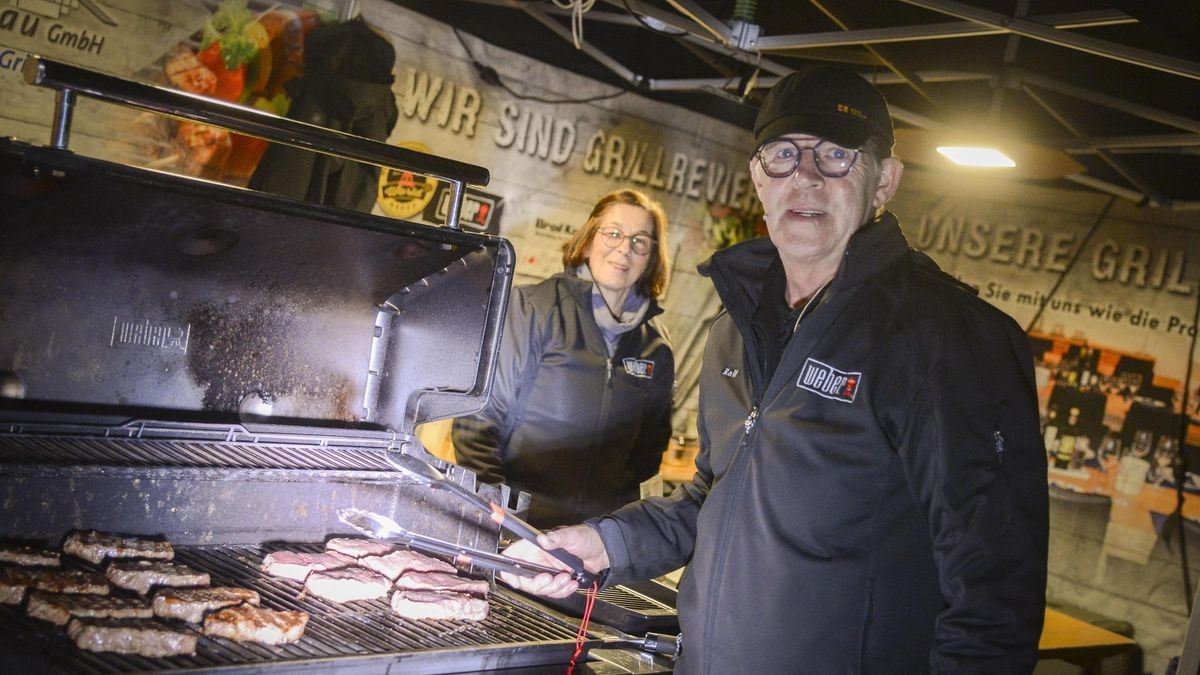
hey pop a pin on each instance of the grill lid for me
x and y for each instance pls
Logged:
(144, 294)
(177, 300)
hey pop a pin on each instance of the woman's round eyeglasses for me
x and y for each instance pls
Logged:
(638, 243)
(779, 158)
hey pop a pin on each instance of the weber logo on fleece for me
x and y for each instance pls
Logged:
(827, 381)
(642, 368)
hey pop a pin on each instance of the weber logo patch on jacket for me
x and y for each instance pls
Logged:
(642, 368)
(824, 379)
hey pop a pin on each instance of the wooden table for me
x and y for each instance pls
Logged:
(1078, 642)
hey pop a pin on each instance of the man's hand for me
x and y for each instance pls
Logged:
(581, 540)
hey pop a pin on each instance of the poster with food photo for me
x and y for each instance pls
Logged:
(244, 54)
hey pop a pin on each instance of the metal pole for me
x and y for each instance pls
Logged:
(60, 129)
(1179, 463)
(455, 205)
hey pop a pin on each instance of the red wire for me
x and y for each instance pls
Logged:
(581, 635)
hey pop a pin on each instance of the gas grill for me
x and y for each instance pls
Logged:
(225, 369)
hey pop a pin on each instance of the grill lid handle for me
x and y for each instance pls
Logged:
(72, 81)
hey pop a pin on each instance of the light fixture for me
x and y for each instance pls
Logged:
(976, 157)
(1028, 161)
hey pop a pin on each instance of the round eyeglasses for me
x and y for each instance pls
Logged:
(638, 243)
(779, 158)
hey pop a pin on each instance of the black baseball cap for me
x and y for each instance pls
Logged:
(830, 102)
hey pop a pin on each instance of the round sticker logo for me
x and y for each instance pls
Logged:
(404, 194)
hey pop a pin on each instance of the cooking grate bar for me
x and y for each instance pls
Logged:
(22, 449)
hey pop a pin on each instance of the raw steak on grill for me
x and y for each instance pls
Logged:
(357, 548)
(439, 605)
(348, 583)
(440, 581)
(396, 563)
(191, 604)
(296, 565)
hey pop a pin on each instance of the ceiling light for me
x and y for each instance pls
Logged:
(980, 157)
(1033, 162)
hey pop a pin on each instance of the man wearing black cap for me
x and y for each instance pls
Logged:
(870, 490)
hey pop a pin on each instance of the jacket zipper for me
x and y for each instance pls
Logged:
(719, 568)
(750, 420)
(605, 402)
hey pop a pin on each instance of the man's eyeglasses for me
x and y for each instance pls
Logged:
(779, 158)
(638, 243)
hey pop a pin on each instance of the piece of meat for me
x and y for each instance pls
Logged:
(96, 546)
(31, 556)
(184, 71)
(14, 581)
(296, 565)
(441, 581)
(145, 637)
(58, 608)
(348, 583)
(358, 548)
(439, 605)
(205, 150)
(140, 575)
(191, 604)
(255, 624)
(70, 581)
(396, 563)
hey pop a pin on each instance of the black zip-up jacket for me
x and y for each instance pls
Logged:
(574, 428)
(875, 505)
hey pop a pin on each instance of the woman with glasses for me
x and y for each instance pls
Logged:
(580, 407)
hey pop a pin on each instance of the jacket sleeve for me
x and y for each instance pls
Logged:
(969, 443)
(477, 438)
(656, 535)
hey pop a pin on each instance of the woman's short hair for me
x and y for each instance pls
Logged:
(653, 282)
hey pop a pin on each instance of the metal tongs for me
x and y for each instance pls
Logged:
(378, 526)
(428, 474)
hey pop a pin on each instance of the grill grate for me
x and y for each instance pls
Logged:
(356, 629)
(621, 596)
(137, 452)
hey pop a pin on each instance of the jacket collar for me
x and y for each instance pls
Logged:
(739, 271)
(581, 290)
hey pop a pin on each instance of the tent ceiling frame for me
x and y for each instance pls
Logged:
(699, 28)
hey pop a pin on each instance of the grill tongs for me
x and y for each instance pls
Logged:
(381, 527)
(378, 526)
(428, 474)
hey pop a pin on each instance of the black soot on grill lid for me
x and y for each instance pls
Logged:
(207, 241)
